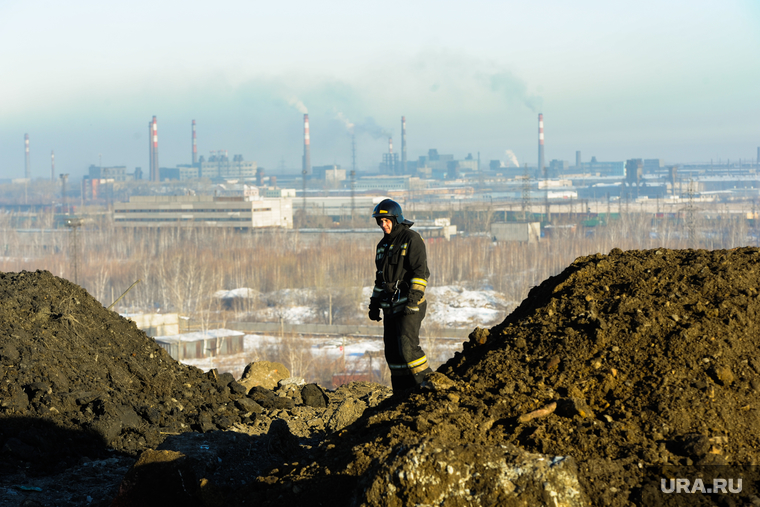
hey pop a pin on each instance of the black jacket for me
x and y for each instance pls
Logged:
(401, 262)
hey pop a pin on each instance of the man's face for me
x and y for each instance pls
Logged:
(386, 224)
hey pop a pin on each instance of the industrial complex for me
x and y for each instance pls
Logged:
(234, 192)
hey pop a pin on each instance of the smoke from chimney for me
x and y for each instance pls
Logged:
(52, 166)
(511, 158)
(348, 123)
(298, 105)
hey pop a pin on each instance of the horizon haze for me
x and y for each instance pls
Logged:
(674, 81)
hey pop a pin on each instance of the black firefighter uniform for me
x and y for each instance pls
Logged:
(402, 275)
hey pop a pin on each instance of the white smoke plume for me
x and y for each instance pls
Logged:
(293, 101)
(346, 121)
(512, 159)
(372, 129)
(514, 89)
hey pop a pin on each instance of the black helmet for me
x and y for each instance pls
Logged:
(389, 208)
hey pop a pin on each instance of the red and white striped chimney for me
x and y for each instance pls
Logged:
(306, 146)
(154, 176)
(195, 146)
(27, 162)
(541, 163)
(150, 150)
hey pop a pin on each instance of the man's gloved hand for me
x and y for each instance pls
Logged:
(414, 299)
(374, 313)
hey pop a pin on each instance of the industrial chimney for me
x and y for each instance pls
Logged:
(306, 146)
(541, 164)
(195, 146)
(28, 164)
(391, 161)
(154, 176)
(578, 159)
(403, 145)
(150, 150)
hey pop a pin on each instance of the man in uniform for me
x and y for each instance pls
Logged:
(399, 291)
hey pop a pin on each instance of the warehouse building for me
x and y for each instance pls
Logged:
(204, 211)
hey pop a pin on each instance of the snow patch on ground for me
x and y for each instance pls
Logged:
(449, 306)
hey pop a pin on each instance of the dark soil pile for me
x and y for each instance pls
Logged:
(651, 358)
(83, 391)
(77, 378)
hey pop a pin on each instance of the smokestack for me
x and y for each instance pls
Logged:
(306, 146)
(578, 159)
(154, 176)
(390, 145)
(150, 150)
(403, 145)
(541, 164)
(52, 166)
(195, 146)
(27, 162)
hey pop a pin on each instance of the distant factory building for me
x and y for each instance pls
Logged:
(332, 174)
(337, 206)
(652, 165)
(98, 183)
(387, 182)
(203, 344)
(118, 173)
(390, 164)
(521, 232)
(604, 168)
(558, 168)
(217, 167)
(204, 211)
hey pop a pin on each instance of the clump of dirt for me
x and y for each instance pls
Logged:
(637, 361)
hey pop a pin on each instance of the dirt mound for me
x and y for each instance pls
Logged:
(74, 366)
(79, 382)
(643, 361)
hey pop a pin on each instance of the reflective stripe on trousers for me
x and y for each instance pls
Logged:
(405, 357)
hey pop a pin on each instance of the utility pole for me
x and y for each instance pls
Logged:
(74, 224)
(303, 173)
(353, 175)
(64, 179)
(525, 193)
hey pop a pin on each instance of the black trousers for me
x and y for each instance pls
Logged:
(405, 357)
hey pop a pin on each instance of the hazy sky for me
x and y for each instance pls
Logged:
(678, 80)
